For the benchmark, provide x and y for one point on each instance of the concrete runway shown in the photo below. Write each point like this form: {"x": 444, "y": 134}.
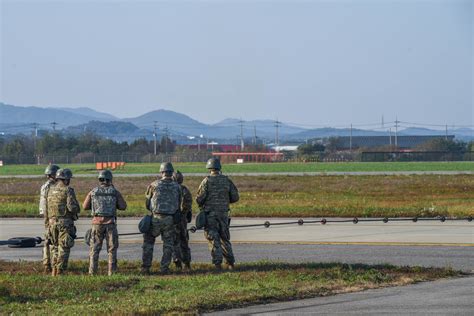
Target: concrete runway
{"x": 449, "y": 233}
{"x": 430, "y": 244}
{"x": 443, "y": 297}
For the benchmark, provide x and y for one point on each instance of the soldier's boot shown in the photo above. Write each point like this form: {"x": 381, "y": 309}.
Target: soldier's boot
{"x": 165, "y": 271}
{"x": 47, "y": 270}
{"x": 145, "y": 271}
{"x": 59, "y": 271}
{"x": 179, "y": 265}
{"x": 112, "y": 268}
{"x": 187, "y": 266}
{"x": 54, "y": 271}
{"x": 218, "y": 266}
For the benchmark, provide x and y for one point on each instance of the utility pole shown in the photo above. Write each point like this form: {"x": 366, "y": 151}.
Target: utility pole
{"x": 241, "y": 135}
{"x": 446, "y": 132}
{"x": 350, "y": 140}
{"x": 166, "y": 138}
{"x": 390, "y": 137}
{"x": 396, "y": 131}
{"x": 255, "y": 135}
{"x": 35, "y": 135}
{"x": 53, "y": 124}
{"x": 277, "y": 140}
{"x": 154, "y": 136}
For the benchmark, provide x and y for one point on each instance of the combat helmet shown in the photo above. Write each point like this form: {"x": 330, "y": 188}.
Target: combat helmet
{"x": 213, "y": 163}
{"x": 64, "y": 174}
{"x": 105, "y": 174}
{"x": 51, "y": 170}
{"x": 178, "y": 176}
{"x": 166, "y": 167}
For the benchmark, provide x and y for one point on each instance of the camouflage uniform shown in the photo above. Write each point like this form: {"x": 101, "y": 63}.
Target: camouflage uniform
{"x": 214, "y": 195}
{"x": 104, "y": 201}
{"x": 182, "y": 252}
{"x": 162, "y": 199}
{"x": 43, "y": 210}
{"x": 63, "y": 210}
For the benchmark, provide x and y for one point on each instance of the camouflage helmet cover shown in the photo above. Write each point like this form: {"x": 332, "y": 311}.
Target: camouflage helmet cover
{"x": 178, "y": 176}
{"x": 166, "y": 167}
{"x": 64, "y": 174}
{"x": 51, "y": 170}
{"x": 105, "y": 174}
{"x": 213, "y": 163}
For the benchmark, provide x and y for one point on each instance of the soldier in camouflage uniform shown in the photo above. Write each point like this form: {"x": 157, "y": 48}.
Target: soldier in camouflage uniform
{"x": 104, "y": 201}
{"x": 163, "y": 199}
{"x": 63, "y": 210}
{"x": 50, "y": 174}
{"x": 182, "y": 252}
{"x": 214, "y": 195}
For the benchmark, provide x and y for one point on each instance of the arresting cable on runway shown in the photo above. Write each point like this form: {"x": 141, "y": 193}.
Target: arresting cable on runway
{"x": 29, "y": 242}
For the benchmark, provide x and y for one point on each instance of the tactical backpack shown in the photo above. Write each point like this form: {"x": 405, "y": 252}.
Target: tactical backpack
{"x": 104, "y": 201}
{"x": 166, "y": 198}
{"x": 57, "y": 201}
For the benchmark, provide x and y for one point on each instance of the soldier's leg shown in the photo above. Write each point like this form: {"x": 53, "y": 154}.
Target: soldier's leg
{"x": 177, "y": 255}
{"x": 54, "y": 247}
{"x": 225, "y": 239}
{"x": 97, "y": 238}
{"x": 168, "y": 236}
{"x": 47, "y": 251}
{"x": 112, "y": 246}
{"x": 149, "y": 244}
{"x": 66, "y": 242}
{"x": 184, "y": 242}
{"x": 212, "y": 235}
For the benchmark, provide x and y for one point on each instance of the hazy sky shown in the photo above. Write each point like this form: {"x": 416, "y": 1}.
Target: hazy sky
{"x": 308, "y": 62}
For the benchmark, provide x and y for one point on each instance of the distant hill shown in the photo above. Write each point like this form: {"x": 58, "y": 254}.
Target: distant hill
{"x": 264, "y": 128}
{"x": 100, "y": 116}
{"x": 333, "y": 132}
{"x": 116, "y": 130}
{"x": 18, "y": 119}
{"x": 184, "y": 129}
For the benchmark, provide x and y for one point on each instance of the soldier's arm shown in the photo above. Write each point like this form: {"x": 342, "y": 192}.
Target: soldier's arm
{"x": 187, "y": 204}
{"x": 149, "y": 194}
{"x": 72, "y": 203}
{"x": 202, "y": 193}
{"x": 87, "y": 204}
{"x": 233, "y": 192}
{"x": 121, "y": 204}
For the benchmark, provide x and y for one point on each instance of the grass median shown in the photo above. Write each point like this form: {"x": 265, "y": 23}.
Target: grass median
{"x": 288, "y": 196}
{"x": 24, "y": 290}
{"x": 151, "y": 168}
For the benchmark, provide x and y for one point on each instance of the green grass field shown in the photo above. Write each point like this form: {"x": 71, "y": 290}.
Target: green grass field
{"x": 287, "y": 196}
{"x": 23, "y": 290}
{"x": 150, "y": 168}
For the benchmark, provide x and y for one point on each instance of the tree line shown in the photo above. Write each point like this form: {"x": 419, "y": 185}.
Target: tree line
{"x": 58, "y": 144}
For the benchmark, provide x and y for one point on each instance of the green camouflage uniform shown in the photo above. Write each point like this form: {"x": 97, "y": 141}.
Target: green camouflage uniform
{"x": 104, "y": 201}
{"x": 214, "y": 195}
{"x": 43, "y": 210}
{"x": 182, "y": 252}
{"x": 162, "y": 199}
{"x": 63, "y": 210}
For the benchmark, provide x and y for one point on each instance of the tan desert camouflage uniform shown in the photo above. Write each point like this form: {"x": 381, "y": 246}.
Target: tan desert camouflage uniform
{"x": 63, "y": 210}
{"x": 43, "y": 210}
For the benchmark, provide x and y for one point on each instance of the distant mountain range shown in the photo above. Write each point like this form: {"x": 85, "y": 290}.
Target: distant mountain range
{"x": 184, "y": 129}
